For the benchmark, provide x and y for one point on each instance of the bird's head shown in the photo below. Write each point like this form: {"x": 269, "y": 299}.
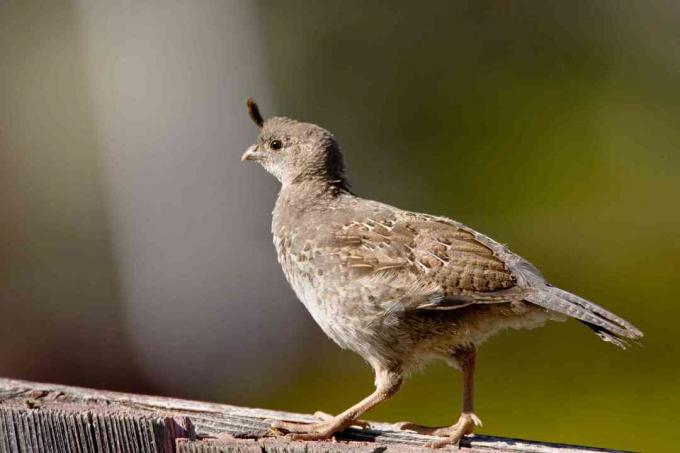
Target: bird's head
{"x": 295, "y": 152}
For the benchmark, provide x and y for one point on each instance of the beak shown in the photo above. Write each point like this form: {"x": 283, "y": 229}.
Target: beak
{"x": 250, "y": 154}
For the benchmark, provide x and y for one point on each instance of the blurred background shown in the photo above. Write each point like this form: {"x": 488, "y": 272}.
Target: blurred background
{"x": 135, "y": 251}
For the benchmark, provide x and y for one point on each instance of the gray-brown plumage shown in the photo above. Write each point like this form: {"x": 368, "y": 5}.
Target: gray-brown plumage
{"x": 398, "y": 288}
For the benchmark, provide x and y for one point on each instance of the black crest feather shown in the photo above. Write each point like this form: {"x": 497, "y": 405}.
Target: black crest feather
{"x": 254, "y": 112}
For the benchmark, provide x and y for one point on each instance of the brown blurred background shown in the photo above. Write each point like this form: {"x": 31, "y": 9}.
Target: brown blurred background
{"x": 135, "y": 251}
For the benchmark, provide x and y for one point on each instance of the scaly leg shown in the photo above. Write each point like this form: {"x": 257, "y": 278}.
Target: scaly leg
{"x": 387, "y": 382}
{"x": 466, "y": 358}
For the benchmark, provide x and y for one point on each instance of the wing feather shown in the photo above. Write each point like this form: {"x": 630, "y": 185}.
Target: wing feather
{"x": 434, "y": 263}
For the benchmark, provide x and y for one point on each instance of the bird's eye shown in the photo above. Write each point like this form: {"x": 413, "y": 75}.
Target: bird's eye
{"x": 276, "y": 144}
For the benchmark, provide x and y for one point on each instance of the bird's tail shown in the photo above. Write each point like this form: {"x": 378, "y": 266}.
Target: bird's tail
{"x": 605, "y": 324}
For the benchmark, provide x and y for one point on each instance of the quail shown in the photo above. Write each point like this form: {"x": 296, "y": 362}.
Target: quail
{"x": 398, "y": 288}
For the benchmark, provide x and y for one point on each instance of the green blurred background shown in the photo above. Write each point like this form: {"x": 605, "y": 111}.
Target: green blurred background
{"x": 553, "y": 127}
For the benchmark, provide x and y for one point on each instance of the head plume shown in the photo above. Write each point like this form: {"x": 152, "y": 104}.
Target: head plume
{"x": 254, "y": 112}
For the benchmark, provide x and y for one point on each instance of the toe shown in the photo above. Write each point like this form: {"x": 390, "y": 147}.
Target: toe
{"x": 405, "y": 425}
{"x": 453, "y": 441}
{"x": 291, "y": 427}
{"x": 420, "y": 429}
{"x": 313, "y": 431}
{"x": 316, "y": 434}
{"x": 361, "y": 423}
{"x": 453, "y": 434}
{"x": 325, "y": 417}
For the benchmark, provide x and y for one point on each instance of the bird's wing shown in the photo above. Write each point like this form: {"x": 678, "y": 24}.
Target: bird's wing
{"x": 435, "y": 263}
{"x": 429, "y": 262}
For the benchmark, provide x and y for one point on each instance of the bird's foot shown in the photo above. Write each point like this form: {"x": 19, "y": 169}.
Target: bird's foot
{"x": 324, "y": 429}
{"x": 309, "y": 431}
{"x": 451, "y": 435}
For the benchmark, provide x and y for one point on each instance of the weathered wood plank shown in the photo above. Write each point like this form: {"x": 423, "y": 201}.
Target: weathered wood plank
{"x": 53, "y": 418}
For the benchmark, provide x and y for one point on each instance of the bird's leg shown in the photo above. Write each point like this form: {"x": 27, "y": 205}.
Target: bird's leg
{"x": 466, "y": 359}
{"x": 387, "y": 383}
{"x": 468, "y": 420}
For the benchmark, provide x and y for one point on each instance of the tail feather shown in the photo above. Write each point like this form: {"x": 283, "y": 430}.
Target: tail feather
{"x": 607, "y": 336}
{"x": 605, "y": 314}
{"x": 605, "y": 324}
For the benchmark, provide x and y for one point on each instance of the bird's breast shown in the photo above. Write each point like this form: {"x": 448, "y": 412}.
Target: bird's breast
{"x": 299, "y": 270}
{"x": 337, "y": 307}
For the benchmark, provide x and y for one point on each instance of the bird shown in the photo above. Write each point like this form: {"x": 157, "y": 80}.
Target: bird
{"x": 398, "y": 288}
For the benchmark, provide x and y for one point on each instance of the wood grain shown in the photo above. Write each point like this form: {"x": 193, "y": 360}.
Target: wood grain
{"x": 51, "y": 418}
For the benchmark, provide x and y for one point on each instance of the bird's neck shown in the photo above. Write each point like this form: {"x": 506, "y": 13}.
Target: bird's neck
{"x": 298, "y": 198}
{"x": 317, "y": 187}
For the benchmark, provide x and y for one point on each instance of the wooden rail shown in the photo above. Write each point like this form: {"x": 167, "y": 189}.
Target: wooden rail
{"x": 37, "y": 418}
